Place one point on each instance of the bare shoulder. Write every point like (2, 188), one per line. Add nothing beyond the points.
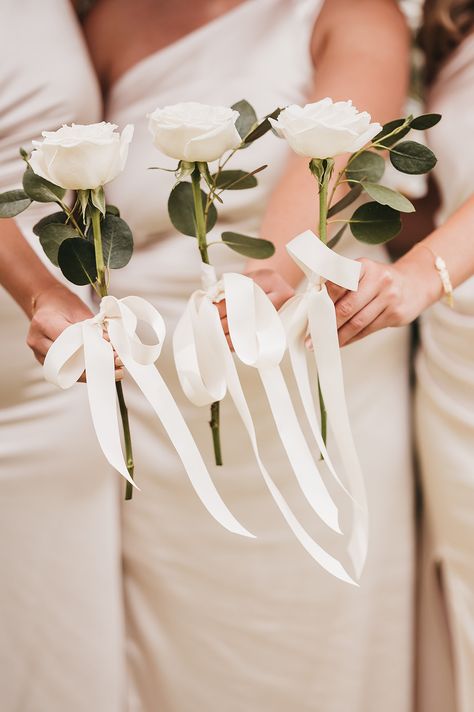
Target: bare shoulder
(364, 19)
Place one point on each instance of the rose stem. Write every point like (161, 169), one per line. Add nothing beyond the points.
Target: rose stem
(102, 284)
(323, 213)
(201, 231)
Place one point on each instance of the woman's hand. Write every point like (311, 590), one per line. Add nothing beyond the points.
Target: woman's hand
(388, 295)
(274, 286)
(54, 310)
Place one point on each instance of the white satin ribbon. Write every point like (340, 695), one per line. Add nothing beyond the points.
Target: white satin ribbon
(312, 314)
(82, 347)
(206, 370)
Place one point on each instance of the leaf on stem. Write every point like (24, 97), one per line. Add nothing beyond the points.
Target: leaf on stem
(425, 121)
(117, 241)
(387, 196)
(13, 202)
(253, 247)
(181, 209)
(392, 127)
(412, 158)
(58, 217)
(235, 180)
(262, 127)
(247, 118)
(52, 236)
(112, 210)
(375, 224)
(367, 166)
(76, 258)
(40, 189)
(346, 200)
(98, 199)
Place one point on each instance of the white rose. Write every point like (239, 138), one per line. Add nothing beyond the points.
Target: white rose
(81, 157)
(325, 129)
(194, 132)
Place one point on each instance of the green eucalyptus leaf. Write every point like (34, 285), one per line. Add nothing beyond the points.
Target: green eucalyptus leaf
(234, 180)
(76, 258)
(253, 247)
(346, 200)
(247, 119)
(334, 240)
(262, 127)
(112, 210)
(181, 209)
(51, 237)
(387, 196)
(58, 217)
(367, 166)
(375, 224)
(388, 128)
(426, 121)
(13, 202)
(40, 189)
(117, 241)
(412, 158)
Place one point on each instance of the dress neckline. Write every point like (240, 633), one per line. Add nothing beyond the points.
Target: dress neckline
(137, 68)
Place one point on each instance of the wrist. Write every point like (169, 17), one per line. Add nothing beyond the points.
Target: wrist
(41, 294)
(418, 268)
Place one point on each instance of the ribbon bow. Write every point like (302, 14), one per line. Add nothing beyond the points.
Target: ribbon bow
(207, 370)
(82, 347)
(312, 314)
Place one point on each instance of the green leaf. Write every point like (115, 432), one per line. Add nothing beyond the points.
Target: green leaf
(253, 247)
(117, 241)
(59, 217)
(346, 200)
(181, 209)
(76, 258)
(234, 180)
(387, 196)
(247, 119)
(40, 189)
(412, 158)
(112, 210)
(13, 202)
(98, 199)
(262, 127)
(375, 224)
(367, 166)
(426, 121)
(51, 237)
(388, 128)
(334, 240)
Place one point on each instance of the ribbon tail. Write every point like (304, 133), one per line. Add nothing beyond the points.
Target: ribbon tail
(323, 328)
(296, 447)
(156, 392)
(100, 369)
(325, 560)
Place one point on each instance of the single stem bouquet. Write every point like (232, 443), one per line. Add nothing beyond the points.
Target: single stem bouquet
(197, 135)
(87, 238)
(324, 130)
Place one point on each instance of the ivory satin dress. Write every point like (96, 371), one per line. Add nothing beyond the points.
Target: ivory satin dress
(445, 423)
(216, 622)
(61, 642)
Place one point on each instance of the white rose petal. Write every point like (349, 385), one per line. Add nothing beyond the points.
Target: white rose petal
(81, 157)
(194, 132)
(325, 128)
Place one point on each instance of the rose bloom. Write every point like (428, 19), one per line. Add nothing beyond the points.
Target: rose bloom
(325, 129)
(194, 132)
(81, 157)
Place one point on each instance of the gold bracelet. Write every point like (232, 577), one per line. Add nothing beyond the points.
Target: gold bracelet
(441, 268)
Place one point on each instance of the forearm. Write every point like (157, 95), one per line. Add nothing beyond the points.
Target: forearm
(347, 67)
(22, 273)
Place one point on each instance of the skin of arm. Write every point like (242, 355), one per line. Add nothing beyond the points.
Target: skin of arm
(395, 295)
(374, 75)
